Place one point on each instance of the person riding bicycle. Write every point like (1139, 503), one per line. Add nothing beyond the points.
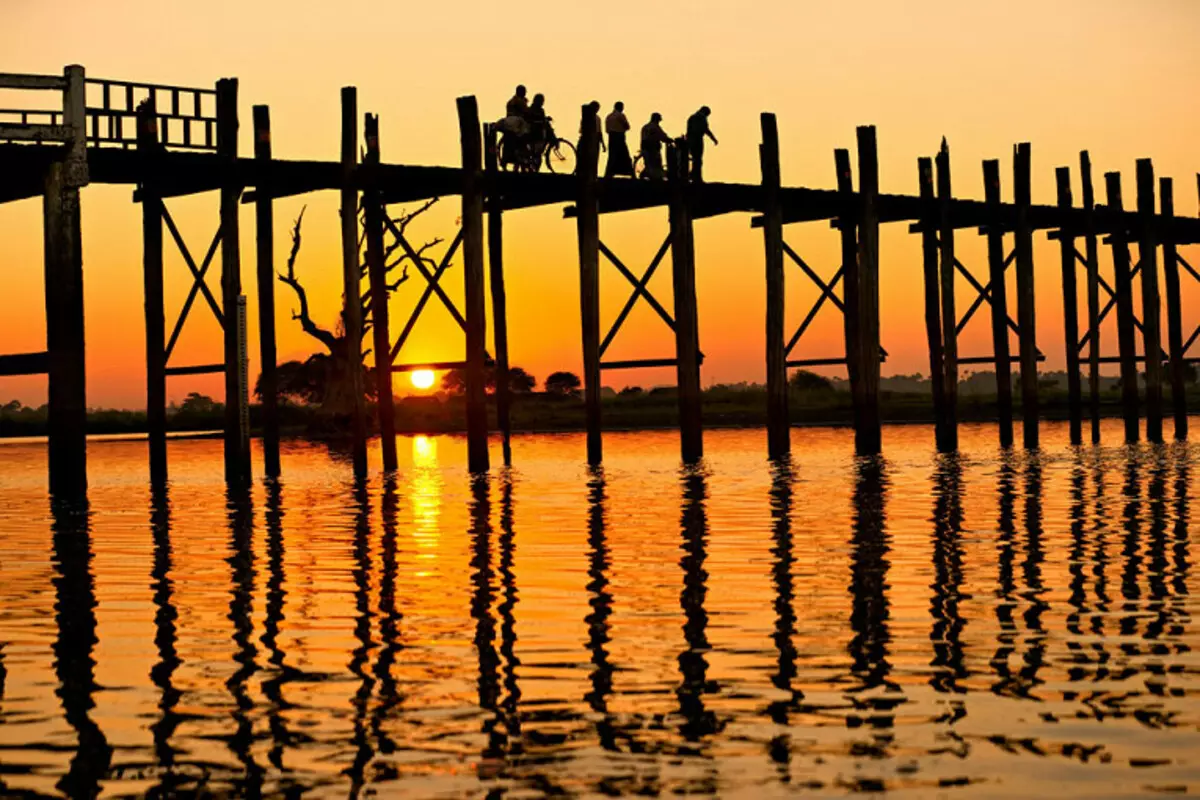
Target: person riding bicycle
(538, 124)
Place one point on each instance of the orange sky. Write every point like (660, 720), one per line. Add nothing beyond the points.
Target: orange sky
(1115, 77)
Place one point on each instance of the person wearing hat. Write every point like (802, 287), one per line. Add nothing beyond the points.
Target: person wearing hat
(653, 138)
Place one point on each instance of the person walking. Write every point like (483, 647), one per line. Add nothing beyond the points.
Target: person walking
(595, 106)
(617, 126)
(653, 139)
(697, 129)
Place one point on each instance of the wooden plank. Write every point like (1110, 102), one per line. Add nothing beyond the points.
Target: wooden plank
(998, 291)
(1174, 315)
(1151, 326)
(1026, 312)
(640, 363)
(1070, 314)
(15, 80)
(430, 365)
(495, 232)
(377, 276)
(351, 280)
(473, 277)
(933, 314)
(587, 225)
(1126, 345)
(264, 238)
(152, 282)
(1092, 264)
(778, 424)
(195, 369)
(24, 364)
(687, 329)
(946, 271)
(35, 132)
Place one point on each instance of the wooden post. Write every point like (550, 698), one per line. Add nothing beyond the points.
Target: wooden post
(848, 229)
(377, 274)
(472, 248)
(264, 236)
(237, 437)
(1026, 315)
(587, 226)
(1151, 326)
(152, 283)
(933, 312)
(1125, 336)
(1174, 314)
(687, 331)
(949, 311)
(999, 295)
(495, 230)
(1066, 244)
(351, 279)
(867, 433)
(64, 301)
(778, 425)
(1093, 292)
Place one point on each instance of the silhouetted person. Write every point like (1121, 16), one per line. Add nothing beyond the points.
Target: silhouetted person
(653, 139)
(616, 126)
(595, 106)
(518, 103)
(697, 129)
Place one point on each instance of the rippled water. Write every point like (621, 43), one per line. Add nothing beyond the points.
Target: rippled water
(986, 625)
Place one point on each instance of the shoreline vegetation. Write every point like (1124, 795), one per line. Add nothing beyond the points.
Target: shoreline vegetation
(814, 400)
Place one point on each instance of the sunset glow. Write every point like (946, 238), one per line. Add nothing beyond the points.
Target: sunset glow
(421, 378)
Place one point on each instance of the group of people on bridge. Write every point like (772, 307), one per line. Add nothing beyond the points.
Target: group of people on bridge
(528, 135)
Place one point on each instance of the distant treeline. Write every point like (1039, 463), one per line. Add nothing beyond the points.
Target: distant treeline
(813, 400)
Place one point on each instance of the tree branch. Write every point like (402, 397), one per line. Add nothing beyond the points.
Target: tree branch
(311, 328)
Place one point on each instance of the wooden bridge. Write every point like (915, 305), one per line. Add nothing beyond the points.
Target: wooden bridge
(170, 141)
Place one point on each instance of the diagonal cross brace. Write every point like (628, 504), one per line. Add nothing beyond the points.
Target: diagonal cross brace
(983, 296)
(425, 273)
(639, 289)
(1110, 305)
(198, 284)
(426, 294)
(827, 293)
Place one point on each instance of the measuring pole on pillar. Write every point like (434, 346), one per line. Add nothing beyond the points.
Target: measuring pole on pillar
(946, 270)
(152, 282)
(373, 212)
(1166, 192)
(476, 314)
(1066, 244)
(1123, 285)
(998, 288)
(264, 237)
(587, 225)
(495, 232)
(1151, 327)
(1026, 310)
(868, 435)
(778, 425)
(687, 332)
(1092, 254)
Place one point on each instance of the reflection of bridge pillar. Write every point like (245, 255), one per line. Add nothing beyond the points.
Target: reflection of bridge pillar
(476, 313)
(64, 300)
(687, 332)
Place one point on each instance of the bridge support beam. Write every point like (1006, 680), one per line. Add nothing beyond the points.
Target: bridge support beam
(999, 304)
(1123, 283)
(385, 408)
(867, 434)
(237, 427)
(495, 232)
(1151, 334)
(587, 224)
(351, 280)
(1093, 292)
(264, 235)
(933, 314)
(687, 331)
(1026, 311)
(152, 281)
(1174, 314)
(472, 248)
(778, 424)
(946, 271)
(1066, 245)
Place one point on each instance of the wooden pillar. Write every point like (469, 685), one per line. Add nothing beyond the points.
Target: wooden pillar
(1174, 313)
(1093, 292)
(1026, 315)
(587, 226)
(848, 229)
(946, 272)
(778, 425)
(933, 307)
(1066, 245)
(687, 329)
(264, 237)
(237, 433)
(152, 283)
(999, 295)
(867, 433)
(351, 279)
(495, 230)
(1151, 327)
(64, 301)
(377, 275)
(1123, 285)
(472, 248)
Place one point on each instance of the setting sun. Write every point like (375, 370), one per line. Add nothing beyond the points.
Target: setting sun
(422, 378)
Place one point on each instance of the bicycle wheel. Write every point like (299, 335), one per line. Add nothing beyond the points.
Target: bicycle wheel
(560, 158)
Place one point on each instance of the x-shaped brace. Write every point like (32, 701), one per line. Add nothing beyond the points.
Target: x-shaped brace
(985, 293)
(431, 287)
(639, 290)
(826, 294)
(198, 284)
(1112, 302)
(1195, 275)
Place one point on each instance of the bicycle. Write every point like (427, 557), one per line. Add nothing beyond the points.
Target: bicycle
(527, 155)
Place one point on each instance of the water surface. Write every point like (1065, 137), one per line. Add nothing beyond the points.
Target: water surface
(984, 625)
